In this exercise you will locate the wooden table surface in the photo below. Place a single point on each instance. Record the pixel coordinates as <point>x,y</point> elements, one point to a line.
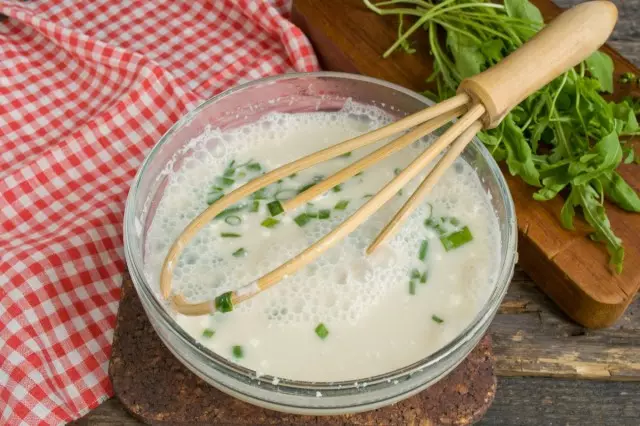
<point>551,370</point>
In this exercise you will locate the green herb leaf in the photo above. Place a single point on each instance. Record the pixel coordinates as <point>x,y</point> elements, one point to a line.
<point>208,333</point>
<point>468,58</point>
<point>275,208</point>
<point>341,205</point>
<point>601,68</point>
<point>224,303</point>
<point>230,235</point>
<point>237,351</point>
<point>322,331</point>
<point>239,253</point>
<point>269,222</point>
<point>225,181</point>
<point>619,191</point>
<point>337,188</point>
<point>519,158</point>
<point>457,239</point>
<point>302,219</point>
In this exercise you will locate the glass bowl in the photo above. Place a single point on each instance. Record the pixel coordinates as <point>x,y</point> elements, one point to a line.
<point>321,91</point>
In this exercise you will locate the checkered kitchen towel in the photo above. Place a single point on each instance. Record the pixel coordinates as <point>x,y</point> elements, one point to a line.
<point>86,88</point>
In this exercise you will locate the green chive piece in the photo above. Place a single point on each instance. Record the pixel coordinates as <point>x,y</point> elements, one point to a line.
<point>322,331</point>
<point>260,194</point>
<point>230,235</point>
<point>358,174</point>
<point>275,208</point>
<point>237,351</point>
<point>242,175</point>
<point>412,288</point>
<point>305,187</point>
<point>367,196</point>
<point>239,253</point>
<point>456,239</point>
<point>230,211</point>
<point>337,188</point>
<point>293,176</point>
<point>424,246</point>
<point>346,155</point>
<point>208,333</point>
<point>423,277</point>
<point>255,207</point>
<point>312,215</point>
<point>225,181</point>
<point>285,194</point>
<point>302,219</point>
<point>233,220</point>
<point>217,189</point>
<point>432,223</point>
<point>231,164</point>
<point>437,319</point>
<point>223,303</point>
<point>341,205</point>
<point>270,222</point>
<point>415,274</point>
<point>229,172</point>
<point>212,198</point>
<point>254,167</point>
<point>397,171</point>
<point>324,214</point>
<point>454,221</point>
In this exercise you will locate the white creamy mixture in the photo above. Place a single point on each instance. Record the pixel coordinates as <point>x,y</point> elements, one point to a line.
<point>374,323</point>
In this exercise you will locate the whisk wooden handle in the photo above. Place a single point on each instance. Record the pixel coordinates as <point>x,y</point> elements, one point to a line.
<point>564,43</point>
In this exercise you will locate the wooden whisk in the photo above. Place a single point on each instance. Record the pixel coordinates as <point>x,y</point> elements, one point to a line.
<point>482,100</point>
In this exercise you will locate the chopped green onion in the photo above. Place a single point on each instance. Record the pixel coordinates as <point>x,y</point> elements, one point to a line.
<point>415,274</point>
<point>341,205</point>
<point>305,187</point>
<point>223,303</point>
<point>270,222</point>
<point>423,278</point>
<point>239,253</point>
<point>431,223</point>
<point>233,220</point>
<point>255,207</point>
<point>212,198</point>
<point>230,235</point>
<point>302,219</point>
<point>358,174</point>
<point>285,194</point>
<point>228,172</point>
<point>346,155</point>
<point>293,176</point>
<point>324,214</point>
<point>367,196</point>
<point>259,194</point>
<point>275,208</point>
<point>208,333</point>
<point>456,239</point>
<point>230,211</point>
<point>225,181</point>
<point>217,189</point>
<point>237,351</point>
<point>412,287</point>
<point>322,331</point>
<point>231,164</point>
<point>437,319</point>
<point>337,188</point>
<point>254,167</point>
<point>424,246</point>
<point>313,215</point>
<point>454,221</point>
<point>397,171</point>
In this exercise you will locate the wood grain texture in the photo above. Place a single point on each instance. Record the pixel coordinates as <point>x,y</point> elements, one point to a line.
<point>567,265</point>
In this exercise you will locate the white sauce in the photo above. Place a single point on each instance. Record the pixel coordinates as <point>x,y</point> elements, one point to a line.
<point>374,324</point>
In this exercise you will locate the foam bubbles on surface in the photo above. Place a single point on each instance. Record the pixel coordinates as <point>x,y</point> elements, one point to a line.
<point>354,294</point>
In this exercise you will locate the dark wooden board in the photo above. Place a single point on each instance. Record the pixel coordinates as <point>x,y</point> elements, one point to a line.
<point>163,391</point>
<point>569,267</point>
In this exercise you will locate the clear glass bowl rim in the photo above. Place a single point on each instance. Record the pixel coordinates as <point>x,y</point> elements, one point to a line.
<point>485,314</point>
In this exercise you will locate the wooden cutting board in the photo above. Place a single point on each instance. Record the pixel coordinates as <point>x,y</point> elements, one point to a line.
<point>567,265</point>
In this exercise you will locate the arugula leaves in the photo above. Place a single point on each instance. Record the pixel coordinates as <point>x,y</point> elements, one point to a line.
<point>564,138</point>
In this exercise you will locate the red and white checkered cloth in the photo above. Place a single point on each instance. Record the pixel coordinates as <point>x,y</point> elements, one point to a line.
<point>86,89</point>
